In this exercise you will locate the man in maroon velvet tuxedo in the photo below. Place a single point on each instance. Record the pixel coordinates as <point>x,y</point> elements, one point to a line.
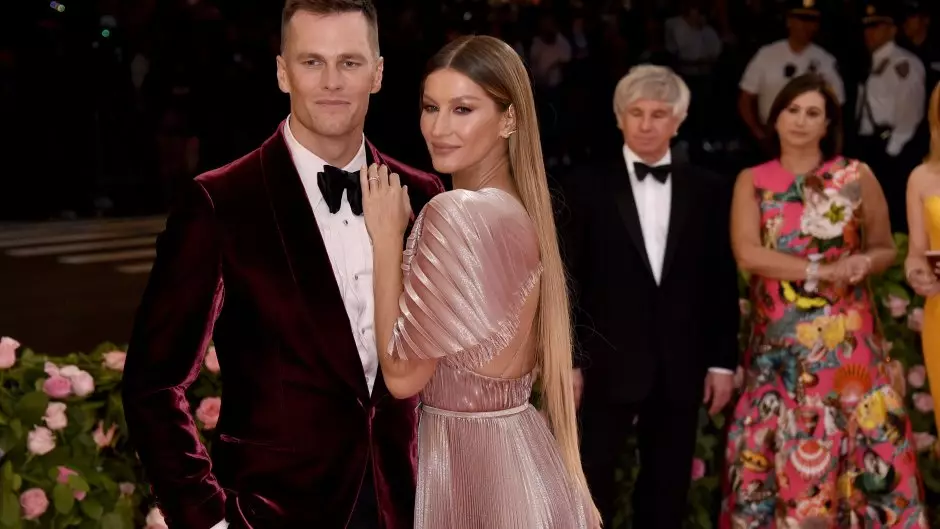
<point>270,257</point>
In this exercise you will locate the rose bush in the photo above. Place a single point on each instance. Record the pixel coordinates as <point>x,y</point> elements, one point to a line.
<point>901,317</point>
<point>65,460</point>
<point>901,330</point>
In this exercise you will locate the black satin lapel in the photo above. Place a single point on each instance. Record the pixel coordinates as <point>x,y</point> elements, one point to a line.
<point>682,203</point>
<point>310,264</point>
<point>626,204</point>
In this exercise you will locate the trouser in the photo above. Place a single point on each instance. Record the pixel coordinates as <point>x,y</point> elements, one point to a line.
<point>666,429</point>
<point>892,173</point>
<point>366,512</point>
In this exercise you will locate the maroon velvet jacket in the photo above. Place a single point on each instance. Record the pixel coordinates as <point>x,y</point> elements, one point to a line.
<point>242,261</point>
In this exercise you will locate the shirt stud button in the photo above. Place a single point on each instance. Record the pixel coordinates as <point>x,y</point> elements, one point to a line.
<point>346,222</point>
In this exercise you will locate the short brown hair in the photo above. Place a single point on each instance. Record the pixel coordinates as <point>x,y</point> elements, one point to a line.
<point>332,7</point>
<point>831,143</point>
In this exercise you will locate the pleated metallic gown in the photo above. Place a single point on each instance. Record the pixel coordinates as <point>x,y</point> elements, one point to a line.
<point>486,458</point>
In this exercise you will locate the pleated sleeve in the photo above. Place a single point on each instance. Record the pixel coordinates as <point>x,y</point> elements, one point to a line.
<point>470,263</point>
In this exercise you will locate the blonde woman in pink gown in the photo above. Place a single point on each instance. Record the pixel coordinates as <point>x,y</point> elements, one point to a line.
<point>481,309</point>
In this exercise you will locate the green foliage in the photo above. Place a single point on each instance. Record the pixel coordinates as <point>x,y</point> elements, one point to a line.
<point>104,485</point>
<point>705,493</point>
<point>99,493</point>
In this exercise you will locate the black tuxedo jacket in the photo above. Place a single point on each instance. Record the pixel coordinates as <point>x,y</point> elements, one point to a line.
<point>630,332</point>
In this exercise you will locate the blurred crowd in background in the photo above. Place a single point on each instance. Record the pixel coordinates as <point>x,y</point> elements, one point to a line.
<point>105,105</point>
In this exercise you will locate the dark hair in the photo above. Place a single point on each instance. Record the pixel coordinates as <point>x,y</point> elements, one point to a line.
<point>332,7</point>
<point>831,143</point>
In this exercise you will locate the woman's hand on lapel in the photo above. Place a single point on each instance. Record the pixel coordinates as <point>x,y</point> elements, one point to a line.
<point>385,204</point>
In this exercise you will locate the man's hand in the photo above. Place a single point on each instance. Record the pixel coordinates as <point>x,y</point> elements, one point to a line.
<point>577,383</point>
<point>718,390</point>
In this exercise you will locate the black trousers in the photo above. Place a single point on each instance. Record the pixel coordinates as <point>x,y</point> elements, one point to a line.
<point>666,428</point>
<point>892,173</point>
<point>366,512</point>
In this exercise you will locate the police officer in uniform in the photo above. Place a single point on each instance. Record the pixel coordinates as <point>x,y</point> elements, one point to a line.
<point>920,36</point>
<point>775,64</point>
<point>890,108</point>
<point>922,39</point>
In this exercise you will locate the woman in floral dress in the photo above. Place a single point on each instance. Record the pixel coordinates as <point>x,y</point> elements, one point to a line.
<point>820,438</point>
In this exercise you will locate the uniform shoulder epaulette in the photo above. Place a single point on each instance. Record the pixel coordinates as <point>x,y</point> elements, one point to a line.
<point>903,68</point>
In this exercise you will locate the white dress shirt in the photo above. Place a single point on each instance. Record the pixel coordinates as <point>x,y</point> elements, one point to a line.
<point>896,94</point>
<point>654,206</point>
<point>348,246</point>
<point>765,75</point>
<point>350,250</point>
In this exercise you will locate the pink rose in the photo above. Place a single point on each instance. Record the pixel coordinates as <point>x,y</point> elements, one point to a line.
<point>916,320</point>
<point>897,306</point>
<point>698,469</point>
<point>923,402</point>
<point>51,369</point>
<point>40,441</point>
<point>208,412</point>
<point>104,438</point>
<point>923,441</point>
<point>82,383</point>
<point>64,473</point>
<point>916,376</point>
<point>8,347</point>
<point>57,387</point>
<point>69,371</point>
<point>34,503</point>
<point>744,306</point>
<point>127,488</point>
<point>55,417</point>
<point>155,519</point>
<point>115,360</point>
<point>212,360</point>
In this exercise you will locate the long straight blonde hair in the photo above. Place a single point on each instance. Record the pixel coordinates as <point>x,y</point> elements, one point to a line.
<point>497,68</point>
<point>933,118</point>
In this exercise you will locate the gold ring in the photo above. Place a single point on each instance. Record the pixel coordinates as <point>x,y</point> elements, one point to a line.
<point>371,178</point>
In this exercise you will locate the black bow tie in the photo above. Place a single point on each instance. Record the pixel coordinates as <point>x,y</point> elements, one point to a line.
<point>660,172</point>
<point>333,181</point>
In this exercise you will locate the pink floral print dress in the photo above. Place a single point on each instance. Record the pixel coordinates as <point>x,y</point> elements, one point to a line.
<point>819,437</point>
